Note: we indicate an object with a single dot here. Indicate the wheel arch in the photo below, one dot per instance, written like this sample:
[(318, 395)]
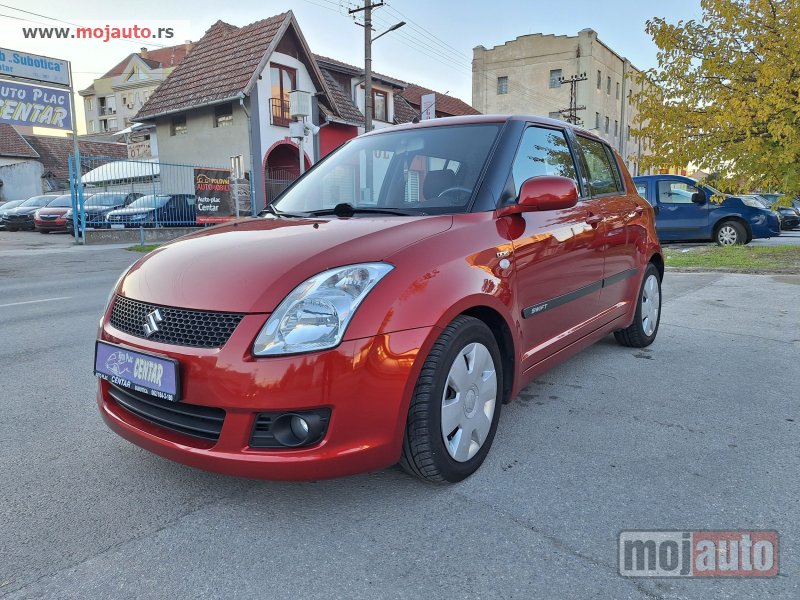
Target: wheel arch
[(658, 261), (505, 342)]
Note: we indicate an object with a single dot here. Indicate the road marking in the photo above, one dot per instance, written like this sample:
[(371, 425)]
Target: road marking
[(35, 301)]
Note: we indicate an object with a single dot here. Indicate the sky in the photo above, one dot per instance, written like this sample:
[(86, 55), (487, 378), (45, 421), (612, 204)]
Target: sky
[(433, 49)]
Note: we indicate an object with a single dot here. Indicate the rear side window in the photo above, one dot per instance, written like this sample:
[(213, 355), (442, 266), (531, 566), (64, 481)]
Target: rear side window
[(543, 152), (641, 189), (603, 173)]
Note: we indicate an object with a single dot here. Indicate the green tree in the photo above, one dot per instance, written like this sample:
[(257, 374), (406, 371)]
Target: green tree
[(727, 93)]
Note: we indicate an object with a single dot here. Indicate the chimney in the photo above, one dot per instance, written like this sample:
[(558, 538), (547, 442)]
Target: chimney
[(188, 45), (143, 53)]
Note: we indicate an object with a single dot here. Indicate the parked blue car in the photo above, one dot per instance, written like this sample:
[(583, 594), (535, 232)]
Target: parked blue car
[(687, 210)]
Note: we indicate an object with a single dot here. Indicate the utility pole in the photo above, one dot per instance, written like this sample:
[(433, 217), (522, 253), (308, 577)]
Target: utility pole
[(367, 8), (571, 114)]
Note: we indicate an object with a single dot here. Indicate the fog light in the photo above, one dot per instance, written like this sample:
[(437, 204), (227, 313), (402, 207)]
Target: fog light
[(299, 427)]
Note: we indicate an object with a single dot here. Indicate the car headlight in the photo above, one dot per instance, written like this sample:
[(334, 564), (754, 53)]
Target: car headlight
[(68, 214), (315, 315), (115, 286), (752, 202), (36, 214)]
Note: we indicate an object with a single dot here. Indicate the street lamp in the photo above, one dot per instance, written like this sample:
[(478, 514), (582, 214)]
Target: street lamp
[(392, 28)]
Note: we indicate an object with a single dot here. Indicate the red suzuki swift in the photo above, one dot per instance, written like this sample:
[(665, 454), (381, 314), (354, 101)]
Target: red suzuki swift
[(385, 307)]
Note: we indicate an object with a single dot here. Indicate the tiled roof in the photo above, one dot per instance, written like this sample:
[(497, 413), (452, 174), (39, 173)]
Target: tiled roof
[(447, 105), (219, 67), (157, 58), (343, 67), (343, 104), (12, 144), (403, 111), (53, 152)]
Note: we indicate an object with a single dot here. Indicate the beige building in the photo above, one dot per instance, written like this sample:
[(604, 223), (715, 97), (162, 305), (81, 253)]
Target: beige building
[(523, 76), (112, 100)]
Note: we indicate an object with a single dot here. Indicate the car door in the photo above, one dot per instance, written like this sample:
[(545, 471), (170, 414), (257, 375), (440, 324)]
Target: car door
[(678, 217), (622, 216), (558, 254)]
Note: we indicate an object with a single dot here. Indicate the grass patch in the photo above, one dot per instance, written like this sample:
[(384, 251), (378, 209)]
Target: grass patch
[(765, 259), (145, 248)]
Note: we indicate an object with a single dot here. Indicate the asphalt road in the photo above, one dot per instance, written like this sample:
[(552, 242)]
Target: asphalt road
[(699, 431)]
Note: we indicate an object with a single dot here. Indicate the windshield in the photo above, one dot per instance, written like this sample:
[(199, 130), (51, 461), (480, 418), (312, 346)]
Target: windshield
[(418, 171), (149, 202), (106, 199), (38, 201), (61, 202)]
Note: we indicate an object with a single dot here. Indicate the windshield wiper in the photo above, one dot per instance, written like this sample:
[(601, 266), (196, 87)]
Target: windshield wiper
[(280, 213), (345, 209)]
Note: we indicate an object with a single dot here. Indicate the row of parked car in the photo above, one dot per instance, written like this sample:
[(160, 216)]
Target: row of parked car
[(104, 210)]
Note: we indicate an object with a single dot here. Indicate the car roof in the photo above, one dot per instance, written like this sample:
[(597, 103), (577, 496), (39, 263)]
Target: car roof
[(479, 119)]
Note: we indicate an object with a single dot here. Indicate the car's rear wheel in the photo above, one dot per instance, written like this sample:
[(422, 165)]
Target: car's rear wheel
[(730, 233), (644, 328), (455, 406)]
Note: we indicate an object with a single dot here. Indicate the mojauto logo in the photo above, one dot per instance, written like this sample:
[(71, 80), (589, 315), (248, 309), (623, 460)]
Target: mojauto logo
[(698, 553)]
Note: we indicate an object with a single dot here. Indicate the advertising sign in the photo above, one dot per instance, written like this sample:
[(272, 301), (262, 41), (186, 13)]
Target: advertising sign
[(32, 66), (427, 107), (212, 190), (35, 105)]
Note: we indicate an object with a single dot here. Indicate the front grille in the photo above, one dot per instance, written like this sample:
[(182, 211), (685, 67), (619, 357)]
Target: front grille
[(182, 327), (190, 419)]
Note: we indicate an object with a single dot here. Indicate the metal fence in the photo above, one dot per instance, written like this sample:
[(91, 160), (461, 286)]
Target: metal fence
[(109, 193), (278, 179)]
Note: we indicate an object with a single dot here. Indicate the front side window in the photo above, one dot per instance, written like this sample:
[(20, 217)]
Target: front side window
[(420, 171), (604, 177), (555, 78), (502, 85), (542, 152), (675, 192)]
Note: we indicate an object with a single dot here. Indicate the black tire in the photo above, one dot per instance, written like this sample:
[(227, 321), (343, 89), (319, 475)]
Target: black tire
[(424, 452), (730, 233), (636, 335)]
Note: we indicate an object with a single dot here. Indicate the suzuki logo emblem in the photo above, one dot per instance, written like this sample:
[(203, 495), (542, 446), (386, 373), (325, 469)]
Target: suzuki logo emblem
[(151, 322)]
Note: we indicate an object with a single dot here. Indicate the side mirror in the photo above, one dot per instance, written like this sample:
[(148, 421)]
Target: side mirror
[(699, 198), (549, 192)]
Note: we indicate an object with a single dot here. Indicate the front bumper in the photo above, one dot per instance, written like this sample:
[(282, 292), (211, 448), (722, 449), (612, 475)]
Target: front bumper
[(50, 224), (26, 223), (366, 383)]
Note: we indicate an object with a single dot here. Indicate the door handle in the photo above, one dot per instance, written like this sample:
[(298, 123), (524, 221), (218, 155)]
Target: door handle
[(594, 220)]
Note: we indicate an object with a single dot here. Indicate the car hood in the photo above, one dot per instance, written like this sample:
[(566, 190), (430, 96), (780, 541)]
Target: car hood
[(23, 210), (249, 266), (131, 211)]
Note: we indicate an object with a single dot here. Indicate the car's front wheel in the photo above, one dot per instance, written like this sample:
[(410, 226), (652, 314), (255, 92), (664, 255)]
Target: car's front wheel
[(644, 328), (730, 233), (455, 406)]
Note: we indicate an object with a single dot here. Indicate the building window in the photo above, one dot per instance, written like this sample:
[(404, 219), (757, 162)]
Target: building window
[(90, 104), (616, 128), (108, 105), (178, 126), (629, 132), (284, 80), (618, 90), (112, 125), (608, 121), (91, 126), (223, 115), (555, 78), (136, 74), (554, 115), (608, 86), (379, 104), (597, 121), (502, 85), (599, 79)]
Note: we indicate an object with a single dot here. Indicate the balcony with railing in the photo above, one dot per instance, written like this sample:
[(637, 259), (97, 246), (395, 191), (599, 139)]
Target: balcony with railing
[(280, 112)]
